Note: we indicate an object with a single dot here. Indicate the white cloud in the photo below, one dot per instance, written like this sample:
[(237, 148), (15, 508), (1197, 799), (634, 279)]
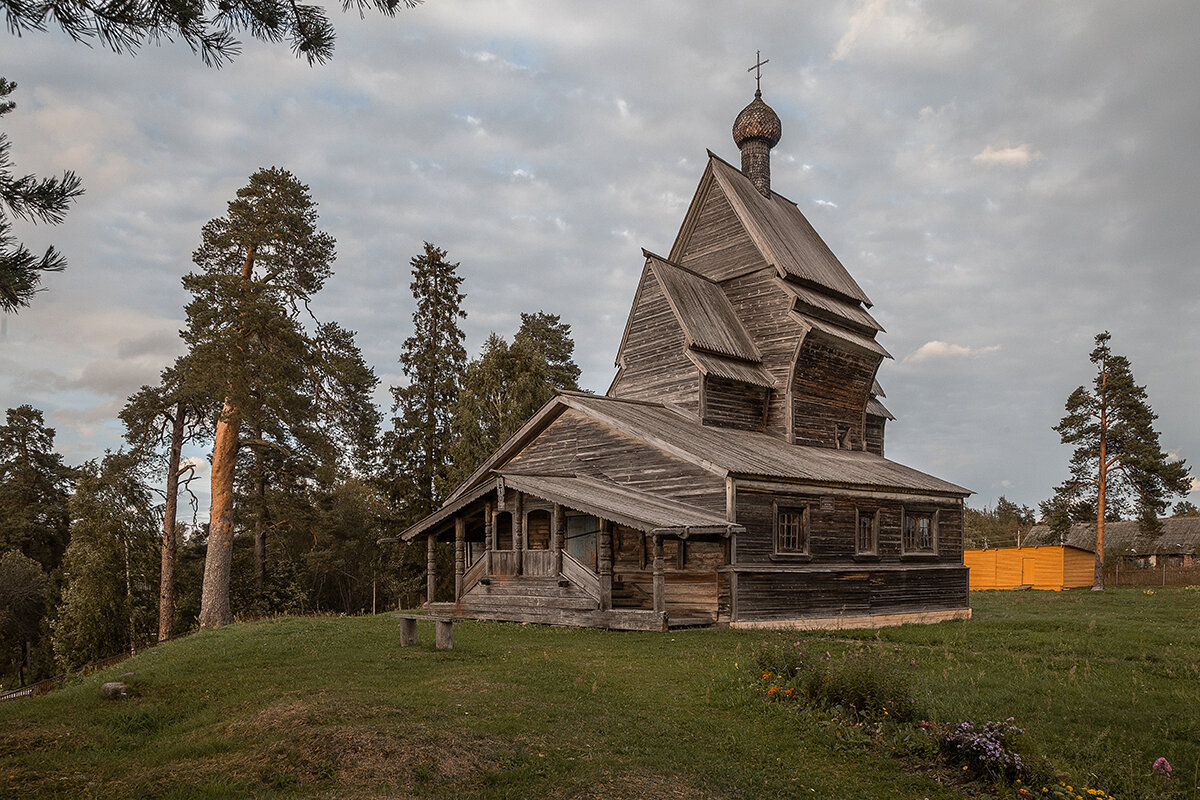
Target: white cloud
[(1017, 156), (826, 203), (936, 349)]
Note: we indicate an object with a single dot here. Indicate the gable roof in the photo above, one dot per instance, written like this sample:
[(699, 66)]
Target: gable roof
[(704, 311), (722, 451), (783, 235), (1180, 535)]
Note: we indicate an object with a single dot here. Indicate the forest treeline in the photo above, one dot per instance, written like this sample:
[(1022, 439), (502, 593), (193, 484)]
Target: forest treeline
[(305, 473)]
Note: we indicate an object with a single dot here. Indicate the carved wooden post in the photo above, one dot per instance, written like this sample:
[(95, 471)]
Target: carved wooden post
[(460, 556), (489, 532), (430, 568), (660, 586), (604, 566), (557, 524), (518, 532)]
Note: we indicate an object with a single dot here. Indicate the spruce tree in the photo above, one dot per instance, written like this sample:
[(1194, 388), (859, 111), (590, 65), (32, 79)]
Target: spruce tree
[(108, 604), (31, 199), (433, 360), (290, 386), (1117, 462), (34, 488), (507, 384)]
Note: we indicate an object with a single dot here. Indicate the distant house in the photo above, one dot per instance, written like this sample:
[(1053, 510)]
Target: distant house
[(1054, 567), (734, 471), (1177, 546)]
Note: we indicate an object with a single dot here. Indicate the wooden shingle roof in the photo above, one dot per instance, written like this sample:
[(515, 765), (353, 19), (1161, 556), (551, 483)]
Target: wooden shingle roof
[(751, 454), (783, 234), (704, 311), (622, 504)]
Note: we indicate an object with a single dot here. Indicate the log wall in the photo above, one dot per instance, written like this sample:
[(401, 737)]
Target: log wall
[(733, 404), (829, 392), (718, 246), (874, 431), (653, 364)]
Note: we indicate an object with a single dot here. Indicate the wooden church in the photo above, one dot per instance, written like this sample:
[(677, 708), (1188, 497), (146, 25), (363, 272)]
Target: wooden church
[(734, 473)]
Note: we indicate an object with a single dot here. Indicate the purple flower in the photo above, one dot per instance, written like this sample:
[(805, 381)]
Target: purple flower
[(1162, 766)]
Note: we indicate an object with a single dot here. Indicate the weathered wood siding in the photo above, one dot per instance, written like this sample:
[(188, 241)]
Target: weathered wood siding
[(833, 579), (830, 389), (733, 404), (718, 245), (850, 592), (874, 430), (832, 528), (578, 444), (654, 364), (765, 309)]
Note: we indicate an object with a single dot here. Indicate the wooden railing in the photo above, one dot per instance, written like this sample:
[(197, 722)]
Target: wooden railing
[(538, 563), (474, 573), (581, 576)]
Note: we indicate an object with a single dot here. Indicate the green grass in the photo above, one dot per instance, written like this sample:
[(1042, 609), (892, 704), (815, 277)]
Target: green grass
[(333, 707)]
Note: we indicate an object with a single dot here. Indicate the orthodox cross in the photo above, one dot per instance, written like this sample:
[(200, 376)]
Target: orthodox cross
[(757, 70)]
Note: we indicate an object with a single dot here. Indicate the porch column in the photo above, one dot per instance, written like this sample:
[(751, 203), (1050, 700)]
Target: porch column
[(558, 523), (430, 567), (518, 531), (604, 564), (660, 585), (460, 556), (489, 531)]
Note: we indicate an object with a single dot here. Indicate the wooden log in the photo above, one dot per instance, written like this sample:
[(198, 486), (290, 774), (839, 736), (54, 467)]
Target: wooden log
[(431, 567), (604, 564), (408, 631), (114, 690), (557, 524), (660, 593), (445, 634), (460, 555), (518, 531)]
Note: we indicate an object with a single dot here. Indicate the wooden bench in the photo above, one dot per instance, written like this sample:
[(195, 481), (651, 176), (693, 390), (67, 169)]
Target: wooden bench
[(444, 627)]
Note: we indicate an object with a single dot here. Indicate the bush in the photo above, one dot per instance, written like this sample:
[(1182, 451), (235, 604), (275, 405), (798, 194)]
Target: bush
[(988, 749), (867, 684)]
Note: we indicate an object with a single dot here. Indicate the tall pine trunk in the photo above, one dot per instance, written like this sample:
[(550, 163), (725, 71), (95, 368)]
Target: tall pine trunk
[(1102, 482), (170, 542), (215, 610), (260, 532)]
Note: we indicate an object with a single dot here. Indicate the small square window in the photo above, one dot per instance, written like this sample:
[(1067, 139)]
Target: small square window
[(791, 530), (867, 537), (920, 531)]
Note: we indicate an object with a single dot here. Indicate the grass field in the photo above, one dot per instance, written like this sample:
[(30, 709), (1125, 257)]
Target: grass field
[(332, 707)]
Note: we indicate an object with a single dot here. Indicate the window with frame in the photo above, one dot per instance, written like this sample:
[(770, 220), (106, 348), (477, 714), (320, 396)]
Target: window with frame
[(920, 531), (791, 530), (867, 532)]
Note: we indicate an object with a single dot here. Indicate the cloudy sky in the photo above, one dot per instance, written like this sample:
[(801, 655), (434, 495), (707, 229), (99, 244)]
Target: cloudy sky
[(1005, 180)]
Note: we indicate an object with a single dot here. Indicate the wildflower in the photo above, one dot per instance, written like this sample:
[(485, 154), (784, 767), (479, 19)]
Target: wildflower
[(1162, 766)]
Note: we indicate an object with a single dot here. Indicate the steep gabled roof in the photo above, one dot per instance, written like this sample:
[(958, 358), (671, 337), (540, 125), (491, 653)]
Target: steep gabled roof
[(704, 312), (783, 235), (722, 451)]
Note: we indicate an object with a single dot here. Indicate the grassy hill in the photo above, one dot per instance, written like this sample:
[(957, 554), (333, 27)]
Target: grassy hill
[(333, 707)]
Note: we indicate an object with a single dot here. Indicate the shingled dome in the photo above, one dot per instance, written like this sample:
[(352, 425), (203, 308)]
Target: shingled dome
[(757, 121)]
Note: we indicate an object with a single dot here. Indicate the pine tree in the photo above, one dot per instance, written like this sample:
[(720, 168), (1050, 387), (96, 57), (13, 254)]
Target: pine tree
[(34, 487), (157, 419), (28, 198), (433, 360), (507, 384), (207, 26), (1117, 460), (291, 387)]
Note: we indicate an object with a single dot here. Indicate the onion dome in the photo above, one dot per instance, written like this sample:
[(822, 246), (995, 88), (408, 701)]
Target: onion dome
[(757, 121)]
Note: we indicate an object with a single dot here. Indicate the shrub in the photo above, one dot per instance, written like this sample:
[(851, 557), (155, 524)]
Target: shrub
[(988, 749), (866, 683)]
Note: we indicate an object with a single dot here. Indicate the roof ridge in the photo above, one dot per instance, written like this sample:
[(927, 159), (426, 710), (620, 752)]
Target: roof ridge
[(678, 266)]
